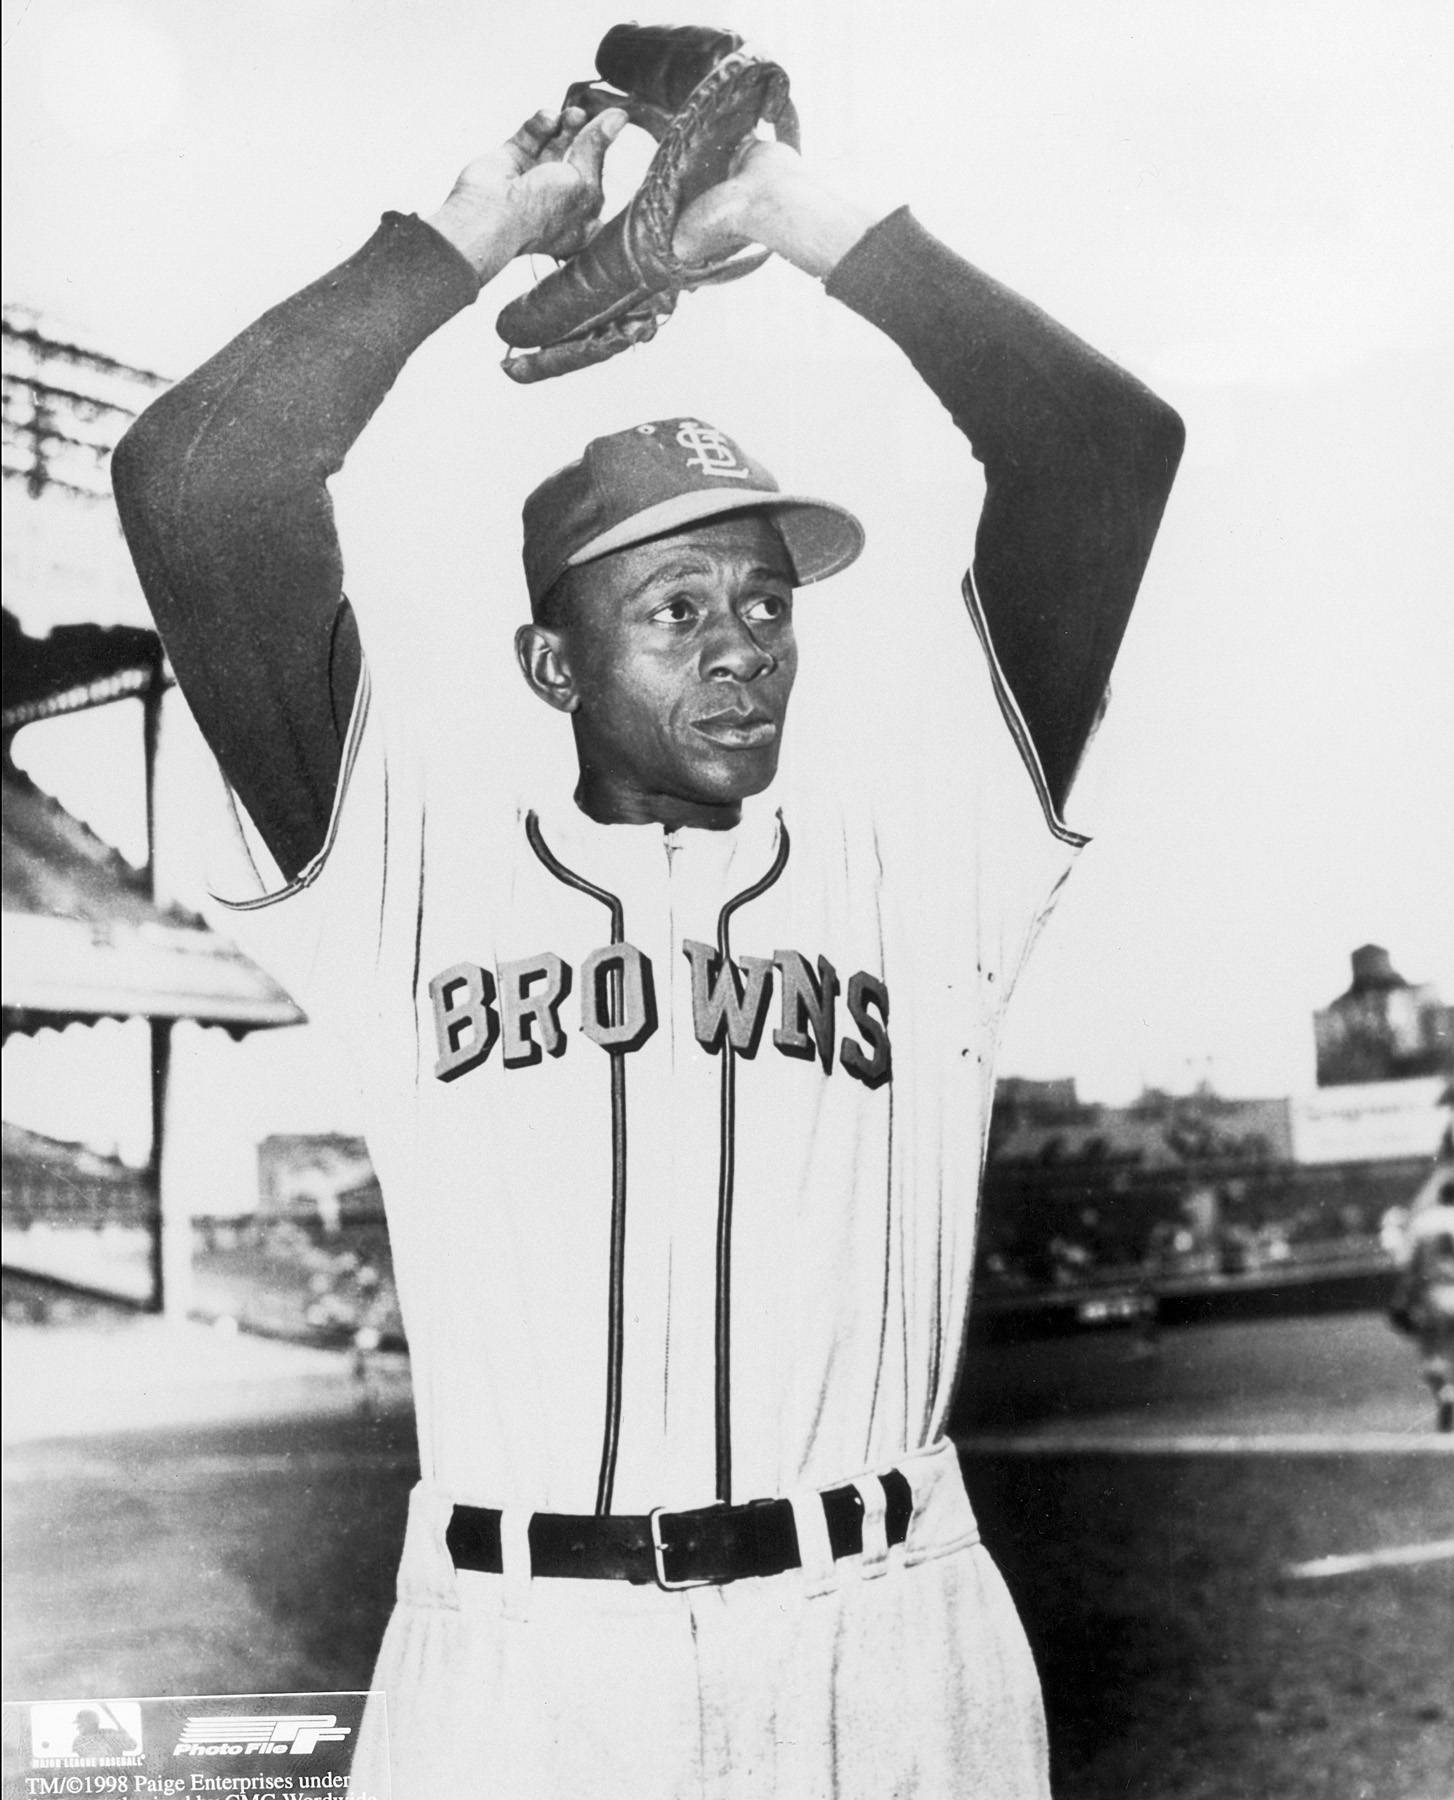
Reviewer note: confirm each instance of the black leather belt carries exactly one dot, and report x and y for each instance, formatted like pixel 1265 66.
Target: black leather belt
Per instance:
pixel 711 1544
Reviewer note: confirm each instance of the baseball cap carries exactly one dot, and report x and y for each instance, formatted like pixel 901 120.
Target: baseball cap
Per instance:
pixel 661 477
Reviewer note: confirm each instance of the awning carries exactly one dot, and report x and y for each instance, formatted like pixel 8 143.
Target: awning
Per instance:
pixel 71 668
pixel 83 941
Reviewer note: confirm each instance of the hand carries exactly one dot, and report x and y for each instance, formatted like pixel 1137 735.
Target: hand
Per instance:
pixel 540 191
pixel 770 198
pixel 738 209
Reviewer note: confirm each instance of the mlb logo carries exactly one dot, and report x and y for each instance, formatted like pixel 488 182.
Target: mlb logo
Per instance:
pixel 91 1730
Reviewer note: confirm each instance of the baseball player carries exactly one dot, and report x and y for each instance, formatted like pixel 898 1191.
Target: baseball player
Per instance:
pixel 680 1081
pixel 1428 1296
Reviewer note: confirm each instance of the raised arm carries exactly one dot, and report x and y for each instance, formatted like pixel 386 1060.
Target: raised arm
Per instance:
pixel 222 483
pixel 1078 456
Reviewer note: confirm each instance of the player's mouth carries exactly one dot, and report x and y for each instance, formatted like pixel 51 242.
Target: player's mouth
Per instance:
pixel 748 728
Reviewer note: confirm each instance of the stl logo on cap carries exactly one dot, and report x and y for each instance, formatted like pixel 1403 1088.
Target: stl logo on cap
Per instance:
pixel 715 454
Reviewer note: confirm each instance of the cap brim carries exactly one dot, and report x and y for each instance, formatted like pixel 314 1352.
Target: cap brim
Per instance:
pixel 821 538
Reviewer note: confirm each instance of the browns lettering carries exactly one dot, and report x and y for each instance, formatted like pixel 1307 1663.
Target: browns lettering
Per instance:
pixel 520 1007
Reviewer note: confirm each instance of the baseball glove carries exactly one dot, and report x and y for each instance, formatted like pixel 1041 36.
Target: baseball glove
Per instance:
pixel 701 95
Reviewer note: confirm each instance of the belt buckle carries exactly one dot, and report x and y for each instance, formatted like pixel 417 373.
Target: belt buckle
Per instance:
pixel 658 1555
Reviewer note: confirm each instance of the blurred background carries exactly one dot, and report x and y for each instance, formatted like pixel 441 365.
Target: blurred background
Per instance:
pixel 1225 1085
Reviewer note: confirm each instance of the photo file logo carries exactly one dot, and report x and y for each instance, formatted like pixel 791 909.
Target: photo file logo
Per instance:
pixel 277 1734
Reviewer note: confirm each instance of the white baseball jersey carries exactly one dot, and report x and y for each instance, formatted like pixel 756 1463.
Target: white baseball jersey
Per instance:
pixel 732 1256
pixel 709 1235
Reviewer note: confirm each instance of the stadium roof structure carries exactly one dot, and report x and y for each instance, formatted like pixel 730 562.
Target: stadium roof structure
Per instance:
pixel 83 940
pixel 72 668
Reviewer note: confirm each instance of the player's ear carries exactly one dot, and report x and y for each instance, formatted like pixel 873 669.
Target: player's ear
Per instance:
pixel 541 653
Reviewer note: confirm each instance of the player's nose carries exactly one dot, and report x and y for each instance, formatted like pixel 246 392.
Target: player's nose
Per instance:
pixel 732 652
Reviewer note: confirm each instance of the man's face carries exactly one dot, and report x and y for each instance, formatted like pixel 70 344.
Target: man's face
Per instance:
pixel 678 658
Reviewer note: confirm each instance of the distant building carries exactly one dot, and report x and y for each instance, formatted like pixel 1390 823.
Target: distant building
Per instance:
pixel 1382 1028
pixel 320 1176
pixel 1020 1095
pixel 1042 1123
pixel 1385 1056
pixel 47 1181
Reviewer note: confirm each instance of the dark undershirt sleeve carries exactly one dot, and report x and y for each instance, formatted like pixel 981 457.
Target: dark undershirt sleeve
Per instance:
pixel 1078 459
pixel 222 490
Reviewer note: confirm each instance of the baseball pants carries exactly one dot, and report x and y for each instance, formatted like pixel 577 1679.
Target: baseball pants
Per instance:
pixel 893 1673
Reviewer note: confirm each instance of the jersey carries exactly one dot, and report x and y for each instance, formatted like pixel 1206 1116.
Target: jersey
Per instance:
pixel 720 1247
pixel 680 1133
pixel 713 1240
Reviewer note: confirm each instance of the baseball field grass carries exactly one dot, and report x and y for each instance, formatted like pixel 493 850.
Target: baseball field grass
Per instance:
pixel 1182 1661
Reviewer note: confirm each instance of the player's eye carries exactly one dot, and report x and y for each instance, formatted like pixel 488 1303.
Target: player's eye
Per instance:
pixel 679 610
pixel 768 608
